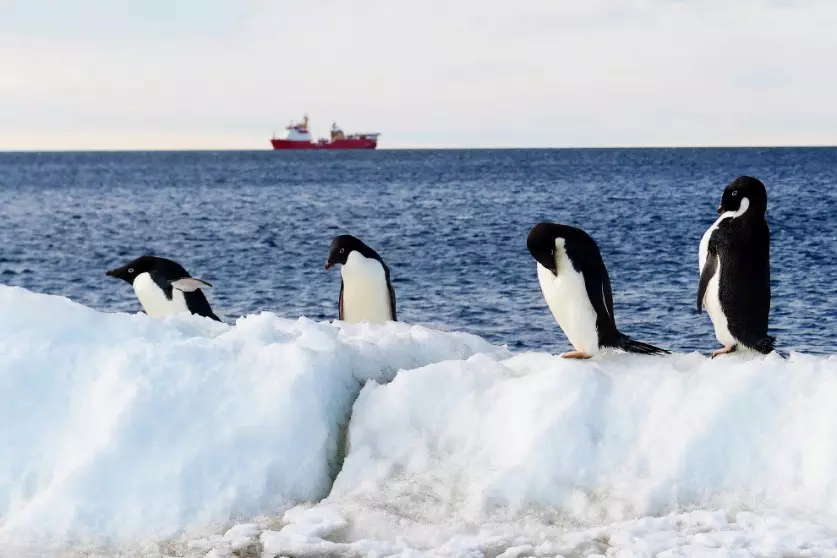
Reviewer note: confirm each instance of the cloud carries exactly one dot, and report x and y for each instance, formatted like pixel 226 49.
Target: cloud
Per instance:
pixel 96 21
pixel 491 73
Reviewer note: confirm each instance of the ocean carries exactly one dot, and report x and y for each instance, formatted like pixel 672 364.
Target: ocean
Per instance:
pixel 451 225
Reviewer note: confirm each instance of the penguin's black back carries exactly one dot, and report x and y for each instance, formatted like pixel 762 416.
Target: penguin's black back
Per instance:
pixel 586 258
pixel 742 246
pixel 165 271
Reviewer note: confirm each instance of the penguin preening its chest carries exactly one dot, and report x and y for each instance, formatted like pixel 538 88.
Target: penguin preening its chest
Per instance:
pixel 366 293
pixel 164 287
pixel 734 265
pixel 576 286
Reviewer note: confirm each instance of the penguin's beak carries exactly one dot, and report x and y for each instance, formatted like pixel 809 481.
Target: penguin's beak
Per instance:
pixel 333 259
pixel 721 209
pixel 118 273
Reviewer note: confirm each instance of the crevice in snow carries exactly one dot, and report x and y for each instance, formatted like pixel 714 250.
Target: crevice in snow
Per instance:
pixel 119 429
pixel 342 447
pixel 539 455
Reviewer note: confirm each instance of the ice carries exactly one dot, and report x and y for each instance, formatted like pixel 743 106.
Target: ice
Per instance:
pixel 699 534
pixel 117 428
pixel 603 440
pixel 122 435
pixel 547 445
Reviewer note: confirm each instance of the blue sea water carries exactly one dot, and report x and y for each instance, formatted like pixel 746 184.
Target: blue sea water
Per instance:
pixel 450 224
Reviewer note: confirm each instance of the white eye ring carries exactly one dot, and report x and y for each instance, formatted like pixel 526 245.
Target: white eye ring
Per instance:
pixel 735 193
pixel 342 250
pixel 130 270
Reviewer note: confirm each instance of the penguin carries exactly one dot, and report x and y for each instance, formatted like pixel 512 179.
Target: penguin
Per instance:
pixel 163 287
pixel 366 293
pixel 734 266
pixel 576 286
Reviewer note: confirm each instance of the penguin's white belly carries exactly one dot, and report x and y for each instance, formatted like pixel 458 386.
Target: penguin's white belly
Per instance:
pixel 712 302
pixel 711 298
pixel 154 300
pixel 567 299
pixel 365 292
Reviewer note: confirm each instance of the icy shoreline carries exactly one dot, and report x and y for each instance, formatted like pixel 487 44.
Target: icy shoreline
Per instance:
pixel 154 436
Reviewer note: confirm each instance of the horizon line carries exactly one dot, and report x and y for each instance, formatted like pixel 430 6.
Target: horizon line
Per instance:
pixel 440 148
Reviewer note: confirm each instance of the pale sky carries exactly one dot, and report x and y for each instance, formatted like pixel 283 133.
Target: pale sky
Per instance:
pixel 207 74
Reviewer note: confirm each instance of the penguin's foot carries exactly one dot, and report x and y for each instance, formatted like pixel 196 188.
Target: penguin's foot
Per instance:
pixel 575 354
pixel 725 350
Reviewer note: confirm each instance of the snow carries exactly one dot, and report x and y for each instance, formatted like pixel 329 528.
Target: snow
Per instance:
pixel 126 435
pixel 608 440
pixel 698 534
pixel 509 455
pixel 119 428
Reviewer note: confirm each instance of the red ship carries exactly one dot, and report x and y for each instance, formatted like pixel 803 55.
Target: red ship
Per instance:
pixel 299 137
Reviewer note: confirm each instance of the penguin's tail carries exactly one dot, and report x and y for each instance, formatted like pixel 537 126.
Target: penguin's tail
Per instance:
pixel 631 346
pixel 765 345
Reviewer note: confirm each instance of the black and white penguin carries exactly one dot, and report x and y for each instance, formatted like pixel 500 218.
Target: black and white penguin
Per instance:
pixel 366 293
pixel 163 287
pixel 576 286
pixel 734 265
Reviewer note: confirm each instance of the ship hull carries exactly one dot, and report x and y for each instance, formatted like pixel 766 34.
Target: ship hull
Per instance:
pixel 349 143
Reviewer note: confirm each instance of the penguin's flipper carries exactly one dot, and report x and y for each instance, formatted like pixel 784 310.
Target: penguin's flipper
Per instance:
pixel 340 303
pixel 392 301
pixel 189 284
pixel 709 270
pixel 597 285
pixel 607 295
pixel 391 292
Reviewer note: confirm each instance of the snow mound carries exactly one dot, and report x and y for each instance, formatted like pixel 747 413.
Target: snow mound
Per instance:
pixel 118 427
pixel 538 441
pixel 130 436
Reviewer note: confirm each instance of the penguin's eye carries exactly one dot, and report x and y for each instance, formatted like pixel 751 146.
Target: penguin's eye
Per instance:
pixel 342 250
pixel 130 270
pixel 735 193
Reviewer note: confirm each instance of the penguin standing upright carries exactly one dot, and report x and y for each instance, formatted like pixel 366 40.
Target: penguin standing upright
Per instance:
pixel 366 293
pixel 164 287
pixel 734 264
pixel 576 286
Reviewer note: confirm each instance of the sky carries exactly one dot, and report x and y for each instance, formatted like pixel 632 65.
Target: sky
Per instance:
pixel 217 74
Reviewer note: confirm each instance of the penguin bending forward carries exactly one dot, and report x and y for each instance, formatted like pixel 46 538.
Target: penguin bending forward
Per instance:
pixel 163 287
pixel 576 287
pixel 734 264
pixel 366 293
